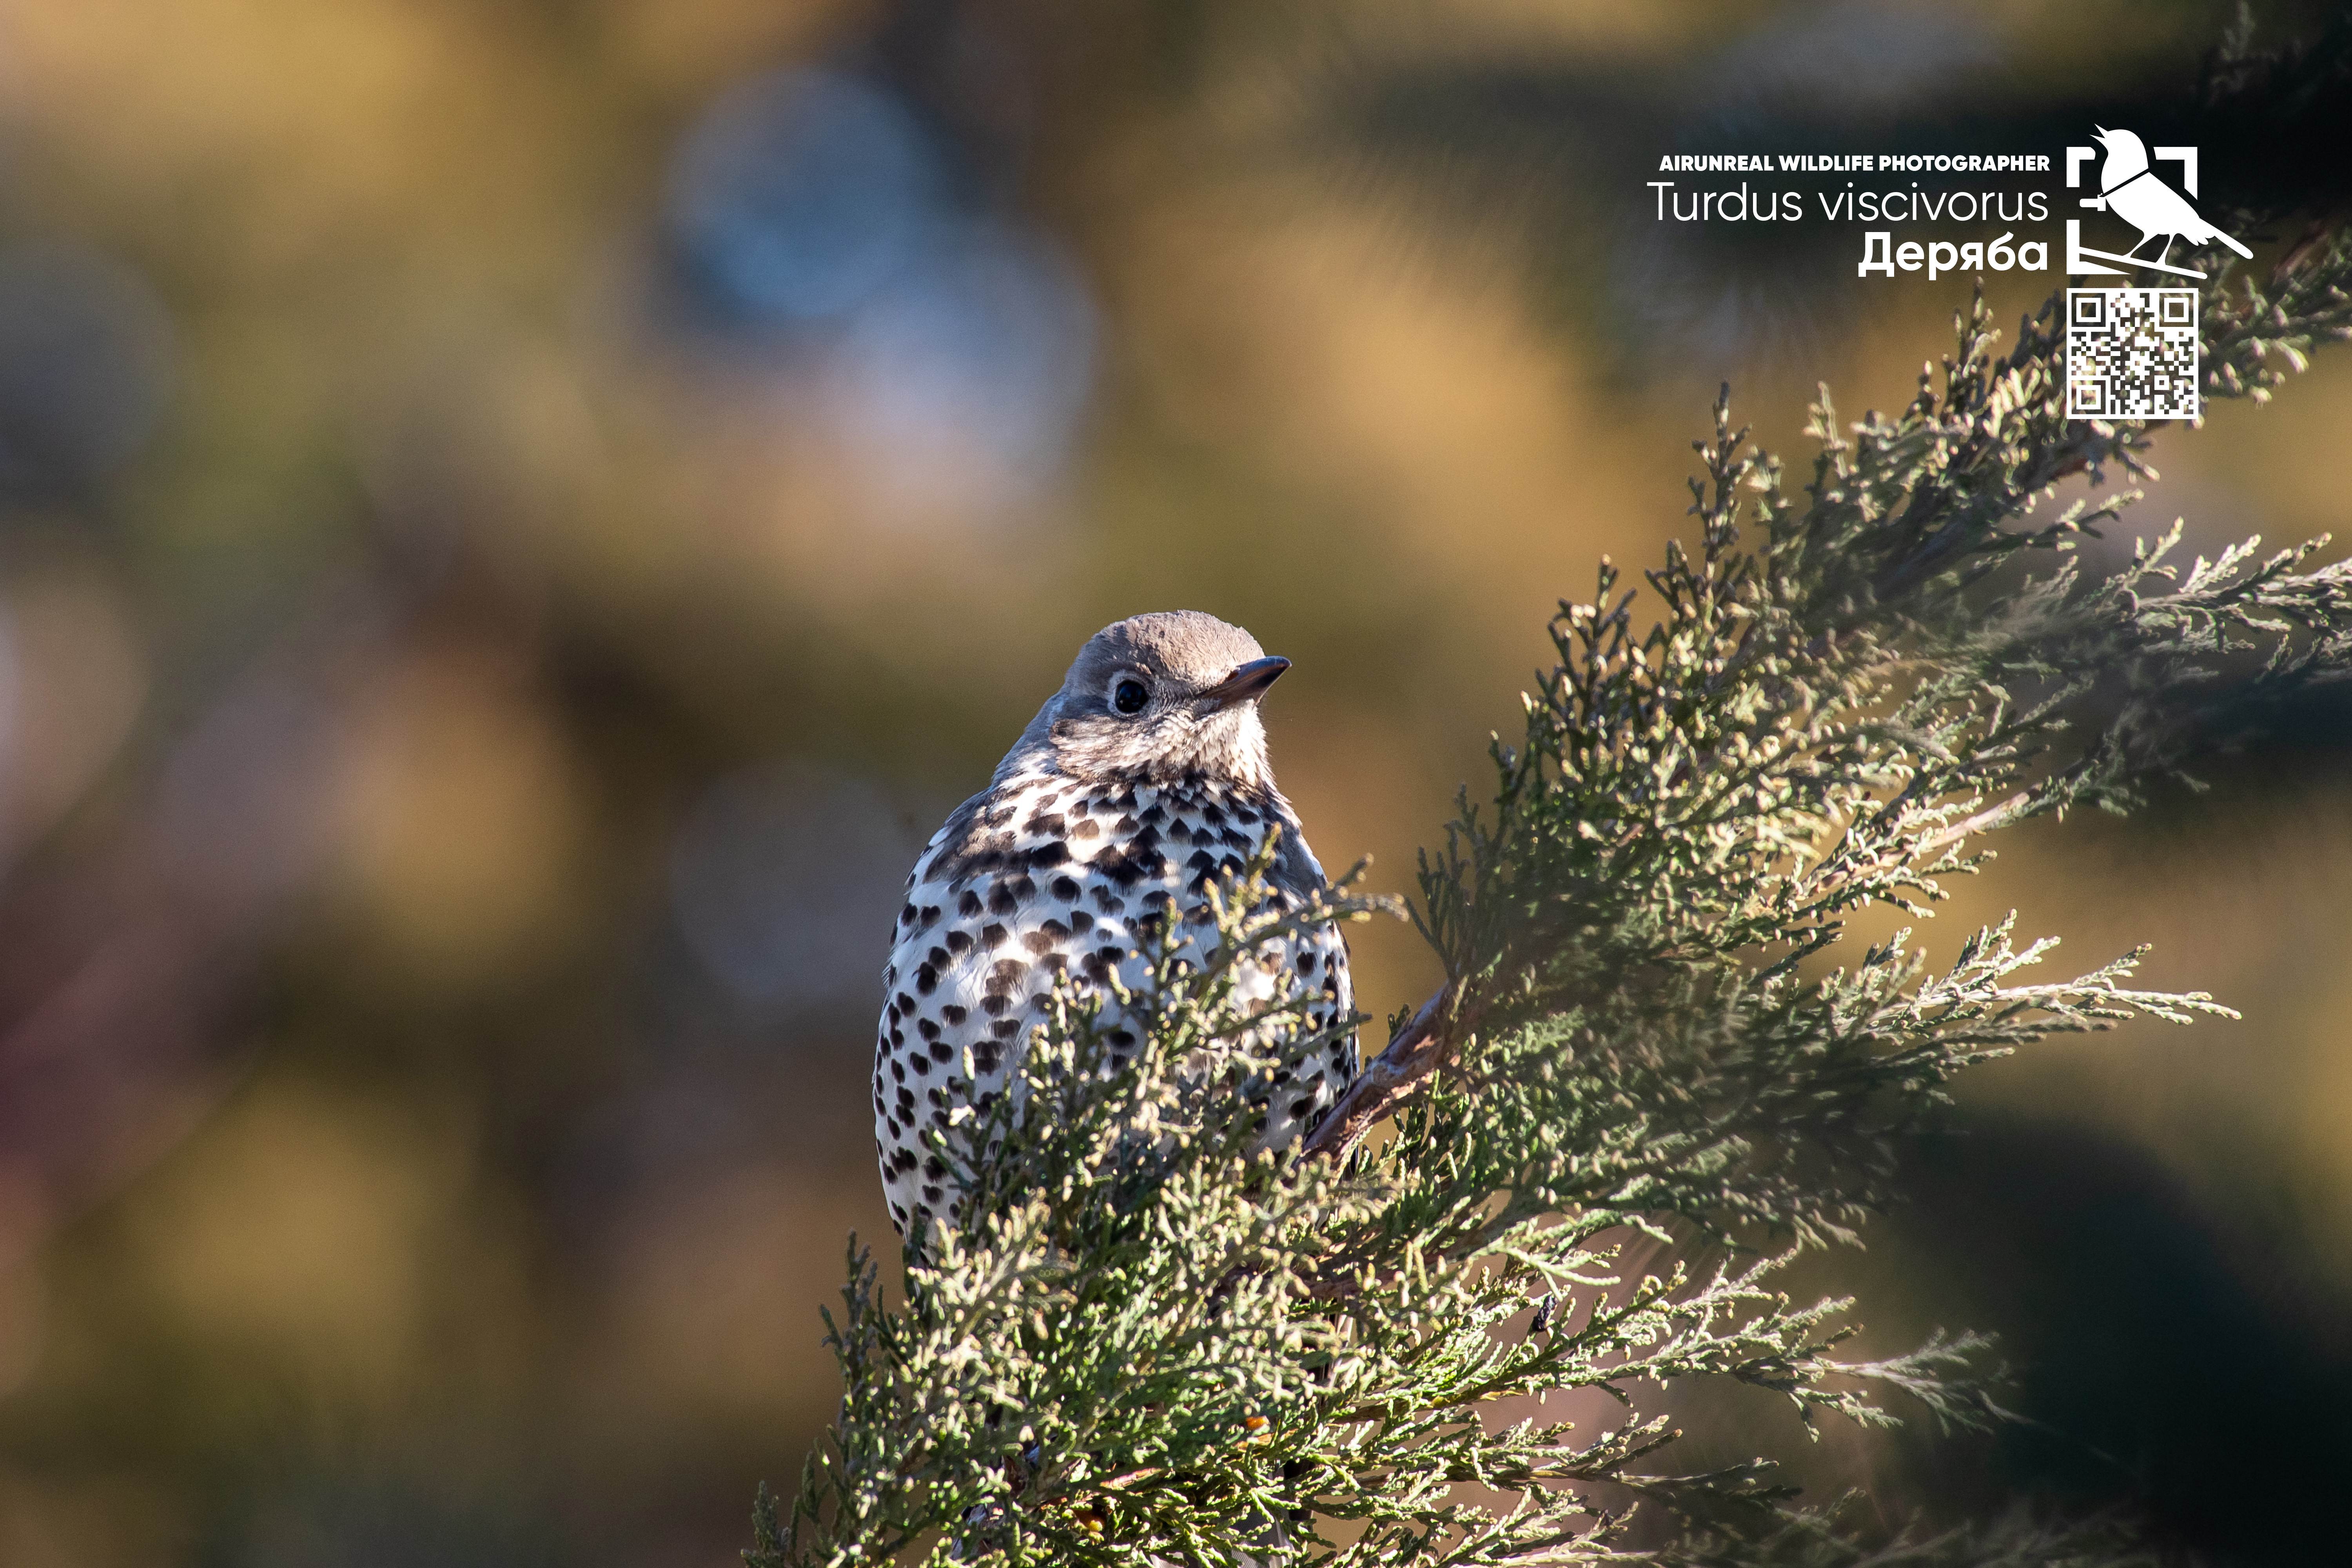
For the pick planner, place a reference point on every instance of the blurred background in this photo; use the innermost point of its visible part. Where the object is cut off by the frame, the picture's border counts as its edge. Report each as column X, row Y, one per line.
column 517, row 517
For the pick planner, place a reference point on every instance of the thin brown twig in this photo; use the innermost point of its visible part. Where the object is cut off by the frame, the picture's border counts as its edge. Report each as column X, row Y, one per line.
column 1416, row 1052
column 1969, row 827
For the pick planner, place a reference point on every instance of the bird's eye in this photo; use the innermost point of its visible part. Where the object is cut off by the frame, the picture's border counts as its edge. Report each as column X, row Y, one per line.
column 1129, row 696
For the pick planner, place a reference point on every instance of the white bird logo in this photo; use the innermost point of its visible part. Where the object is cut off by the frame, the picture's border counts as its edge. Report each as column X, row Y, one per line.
column 2131, row 189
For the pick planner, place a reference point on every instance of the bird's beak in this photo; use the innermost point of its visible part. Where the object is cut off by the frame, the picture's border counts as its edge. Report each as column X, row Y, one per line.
column 1248, row 683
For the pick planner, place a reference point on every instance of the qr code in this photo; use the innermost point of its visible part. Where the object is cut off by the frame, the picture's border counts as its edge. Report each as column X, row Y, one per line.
column 2131, row 353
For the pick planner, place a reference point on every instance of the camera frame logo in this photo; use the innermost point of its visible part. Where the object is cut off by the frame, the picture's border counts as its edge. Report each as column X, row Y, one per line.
column 2132, row 353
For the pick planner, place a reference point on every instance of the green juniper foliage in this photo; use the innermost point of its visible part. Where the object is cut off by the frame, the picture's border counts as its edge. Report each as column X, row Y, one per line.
column 1148, row 1344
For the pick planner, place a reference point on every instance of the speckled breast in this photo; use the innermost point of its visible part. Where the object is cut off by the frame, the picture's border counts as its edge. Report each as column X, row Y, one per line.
column 1042, row 874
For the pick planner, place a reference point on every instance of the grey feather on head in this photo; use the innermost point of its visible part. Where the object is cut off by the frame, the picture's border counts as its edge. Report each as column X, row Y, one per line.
column 1153, row 698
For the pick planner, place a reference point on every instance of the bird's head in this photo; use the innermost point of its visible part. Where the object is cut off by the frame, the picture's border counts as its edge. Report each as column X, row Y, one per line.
column 2124, row 147
column 1154, row 698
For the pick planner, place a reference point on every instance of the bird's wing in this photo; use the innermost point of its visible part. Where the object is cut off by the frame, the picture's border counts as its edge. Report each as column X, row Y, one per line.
column 2153, row 208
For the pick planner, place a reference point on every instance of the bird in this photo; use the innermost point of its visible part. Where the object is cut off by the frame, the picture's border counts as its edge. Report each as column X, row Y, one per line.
column 2131, row 189
column 1144, row 778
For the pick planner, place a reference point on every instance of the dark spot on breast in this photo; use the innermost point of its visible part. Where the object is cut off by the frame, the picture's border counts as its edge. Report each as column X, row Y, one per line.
column 1200, row 915
column 1007, row 975
column 927, row 980
column 959, row 942
column 1123, row 826
column 1005, row 1028
column 968, row 904
column 953, row 1014
column 1233, row 840
column 1156, row 899
column 1299, row 1107
column 1306, row 964
column 1040, row 941
column 1203, row 860
column 937, row 958
column 919, row 1062
column 897, row 1071
column 1022, row 888
column 926, row 1027
column 1065, row 888
column 1081, row 921
column 1086, row 828
column 1001, row 900
column 996, row 817
column 1105, row 900
column 942, row 1052
column 985, row 1057
column 1214, row 813
column 993, row 1003
column 1045, row 826
column 905, row 1100
column 1244, row 816
column 992, row 935
column 906, row 915
column 1154, row 813
column 1046, row 857
column 931, row 917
